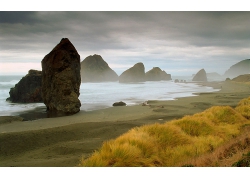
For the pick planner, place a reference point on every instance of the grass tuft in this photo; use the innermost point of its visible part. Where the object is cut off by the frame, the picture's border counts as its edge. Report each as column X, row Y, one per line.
column 244, row 107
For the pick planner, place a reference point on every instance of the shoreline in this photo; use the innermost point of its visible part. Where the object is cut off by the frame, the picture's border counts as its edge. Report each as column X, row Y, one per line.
column 35, row 111
column 41, row 121
column 62, row 141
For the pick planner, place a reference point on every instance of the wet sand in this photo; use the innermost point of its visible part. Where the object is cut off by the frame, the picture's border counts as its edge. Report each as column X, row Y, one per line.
column 62, row 141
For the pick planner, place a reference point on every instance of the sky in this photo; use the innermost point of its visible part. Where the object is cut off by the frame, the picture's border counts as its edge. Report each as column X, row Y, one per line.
column 179, row 42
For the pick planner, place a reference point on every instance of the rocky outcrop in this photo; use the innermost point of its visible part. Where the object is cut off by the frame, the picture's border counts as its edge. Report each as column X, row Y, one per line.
column 95, row 69
column 166, row 76
column 200, row 76
column 133, row 74
column 28, row 89
column 119, row 104
column 61, row 79
column 156, row 74
column 242, row 67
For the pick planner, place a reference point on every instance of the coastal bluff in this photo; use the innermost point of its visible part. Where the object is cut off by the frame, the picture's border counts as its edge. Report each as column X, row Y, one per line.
column 200, row 76
column 95, row 69
column 28, row 89
column 240, row 68
column 242, row 78
column 61, row 79
column 133, row 74
column 156, row 74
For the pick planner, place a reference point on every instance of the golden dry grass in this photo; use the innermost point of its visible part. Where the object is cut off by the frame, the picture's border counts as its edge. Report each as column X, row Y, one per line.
column 244, row 107
column 174, row 143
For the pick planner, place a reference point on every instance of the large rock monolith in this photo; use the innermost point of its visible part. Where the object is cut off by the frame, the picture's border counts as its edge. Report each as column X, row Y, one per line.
column 28, row 89
column 61, row 79
column 133, row 74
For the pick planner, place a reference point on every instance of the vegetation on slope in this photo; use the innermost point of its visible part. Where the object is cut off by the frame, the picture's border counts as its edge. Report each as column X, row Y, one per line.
column 197, row 140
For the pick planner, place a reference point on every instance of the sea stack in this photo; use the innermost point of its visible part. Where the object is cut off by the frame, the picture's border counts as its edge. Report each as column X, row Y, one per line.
column 61, row 79
column 156, row 74
column 95, row 69
column 133, row 74
column 200, row 76
column 28, row 89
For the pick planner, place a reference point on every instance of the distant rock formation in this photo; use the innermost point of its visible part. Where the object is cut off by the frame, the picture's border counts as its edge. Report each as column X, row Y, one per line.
column 133, row 74
column 200, row 76
column 213, row 75
column 95, row 69
column 156, row 74
column 242, row 67
column 28, row 89
column 119, row 104
column 61, row 79
column 242, row 78
column 166, row 76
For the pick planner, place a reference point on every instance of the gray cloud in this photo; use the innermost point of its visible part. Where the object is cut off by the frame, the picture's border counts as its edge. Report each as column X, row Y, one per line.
column 171, row 40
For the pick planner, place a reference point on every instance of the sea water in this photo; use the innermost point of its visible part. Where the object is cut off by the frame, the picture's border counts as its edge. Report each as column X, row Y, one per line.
column 95, row 96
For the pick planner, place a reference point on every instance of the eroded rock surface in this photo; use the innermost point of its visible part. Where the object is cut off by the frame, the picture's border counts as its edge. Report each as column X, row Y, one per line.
column 61, row 79
column 28, row 89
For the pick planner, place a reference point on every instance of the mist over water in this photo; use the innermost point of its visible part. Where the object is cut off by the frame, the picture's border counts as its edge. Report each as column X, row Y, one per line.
column 95, row 96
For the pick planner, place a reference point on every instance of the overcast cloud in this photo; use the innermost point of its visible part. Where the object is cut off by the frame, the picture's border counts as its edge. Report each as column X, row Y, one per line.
column 181, row 43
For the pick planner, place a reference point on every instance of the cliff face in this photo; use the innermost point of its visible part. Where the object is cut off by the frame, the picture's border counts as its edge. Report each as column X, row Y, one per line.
column 200, row 76
column 242, row 67
column 61, row 79
column 28, row 89
column 156, row 74
column 95, row 69
column 133, row 74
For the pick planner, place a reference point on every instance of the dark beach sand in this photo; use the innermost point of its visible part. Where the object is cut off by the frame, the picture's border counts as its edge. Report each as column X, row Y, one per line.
column 62, row 141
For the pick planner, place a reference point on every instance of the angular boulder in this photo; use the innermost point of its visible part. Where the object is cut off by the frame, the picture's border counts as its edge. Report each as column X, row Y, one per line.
column 156, row 74
column 95, row 69
column 200, row 76
column 28, row 89
column 133, row 74
column 61, row 79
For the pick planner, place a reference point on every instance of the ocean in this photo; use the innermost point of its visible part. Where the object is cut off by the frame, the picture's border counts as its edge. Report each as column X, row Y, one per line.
column 95, row 96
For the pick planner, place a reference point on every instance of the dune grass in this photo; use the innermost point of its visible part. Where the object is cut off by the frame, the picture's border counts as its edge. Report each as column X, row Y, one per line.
column 173, row 143
column 243, row 107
